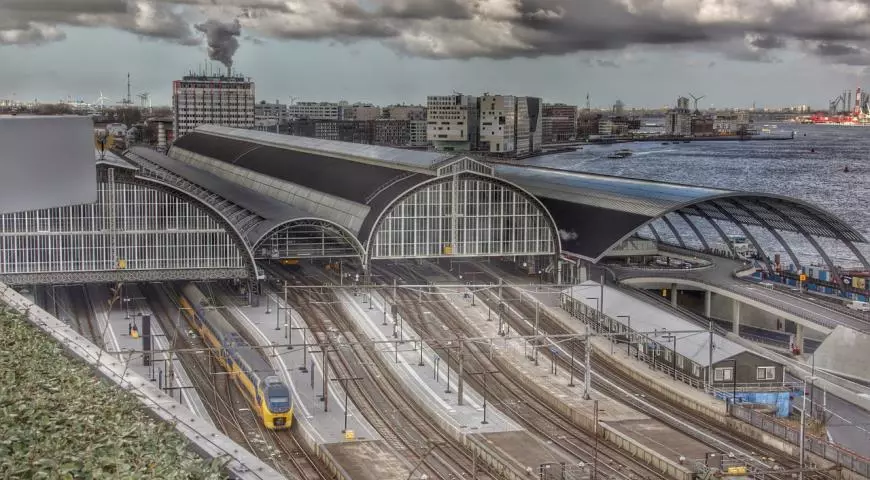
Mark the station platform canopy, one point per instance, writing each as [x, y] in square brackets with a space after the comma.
[596, 213]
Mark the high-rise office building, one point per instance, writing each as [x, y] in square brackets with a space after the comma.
[498, 124]
[214, 100]
[452, 122]
[529, 131]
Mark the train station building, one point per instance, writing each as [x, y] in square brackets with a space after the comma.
[222, 198]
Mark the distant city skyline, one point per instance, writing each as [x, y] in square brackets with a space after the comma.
[735, 52]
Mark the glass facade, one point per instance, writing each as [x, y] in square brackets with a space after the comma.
[463, 216]
[153, 230]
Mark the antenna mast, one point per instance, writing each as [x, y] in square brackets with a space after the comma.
[129, 97]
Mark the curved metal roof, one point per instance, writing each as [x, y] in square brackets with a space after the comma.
[346, 183]
[253, 213]
[374, 154]
[597, 212]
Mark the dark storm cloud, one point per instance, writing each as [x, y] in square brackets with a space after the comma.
[476, 28]
[222, 40]
[27, 21]
[842, 53]
[828, 49]
[767, 42]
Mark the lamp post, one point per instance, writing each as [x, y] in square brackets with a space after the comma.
[673, 353]
[628, 333]
[485, 390]
[803, 428]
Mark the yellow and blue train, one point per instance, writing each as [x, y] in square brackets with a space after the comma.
[257, 380]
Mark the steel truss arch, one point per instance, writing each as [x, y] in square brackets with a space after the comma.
[695, 229]
[819, 221]
[335, 241]
[731, 218]
[447, 224]
[674, 230]
[779, 238]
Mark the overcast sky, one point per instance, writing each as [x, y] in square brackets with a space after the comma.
[644, 52]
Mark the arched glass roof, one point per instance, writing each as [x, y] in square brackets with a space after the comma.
[597, 212]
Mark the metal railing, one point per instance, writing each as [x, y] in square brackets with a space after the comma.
[819, 446]
[606, 324]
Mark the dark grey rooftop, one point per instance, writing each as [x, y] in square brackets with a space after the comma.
[385, 156]
[272, 212]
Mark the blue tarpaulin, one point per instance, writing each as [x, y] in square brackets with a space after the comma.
[782, 400]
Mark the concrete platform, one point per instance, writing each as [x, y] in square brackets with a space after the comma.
[326, 426]
[501, 438]
[368, 460]
[429, 384]
[366, 456]
[663, 445]
[115, 326]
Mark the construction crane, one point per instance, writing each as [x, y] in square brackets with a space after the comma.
[696, 99]
[835, 103]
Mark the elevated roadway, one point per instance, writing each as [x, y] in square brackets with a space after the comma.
[725, 278]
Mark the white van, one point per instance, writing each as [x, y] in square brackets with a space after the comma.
[860, 306]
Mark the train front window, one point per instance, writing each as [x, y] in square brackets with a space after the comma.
[279, 404]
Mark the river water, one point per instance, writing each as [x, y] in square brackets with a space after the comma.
[788, 167]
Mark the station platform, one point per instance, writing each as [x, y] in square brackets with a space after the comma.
[428, 383]
[366, 456]
[614, 415]
[115, 327]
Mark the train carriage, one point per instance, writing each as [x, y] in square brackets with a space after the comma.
[256, 379]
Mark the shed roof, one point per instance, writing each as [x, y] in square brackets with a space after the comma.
[648, 318]
[597, 212]
[271, 211]
[361, 174]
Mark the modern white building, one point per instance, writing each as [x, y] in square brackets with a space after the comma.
[498, 123]
[316, 110]
[213, 100]
[452, 122]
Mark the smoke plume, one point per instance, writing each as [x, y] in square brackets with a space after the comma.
[222, 41]
[568, 236]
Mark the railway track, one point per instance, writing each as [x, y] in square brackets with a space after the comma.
[225, 403]
[523, 406]
[679, 417]
[83, 313]
[404, 425]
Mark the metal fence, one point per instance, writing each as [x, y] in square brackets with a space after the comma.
[827, 450]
